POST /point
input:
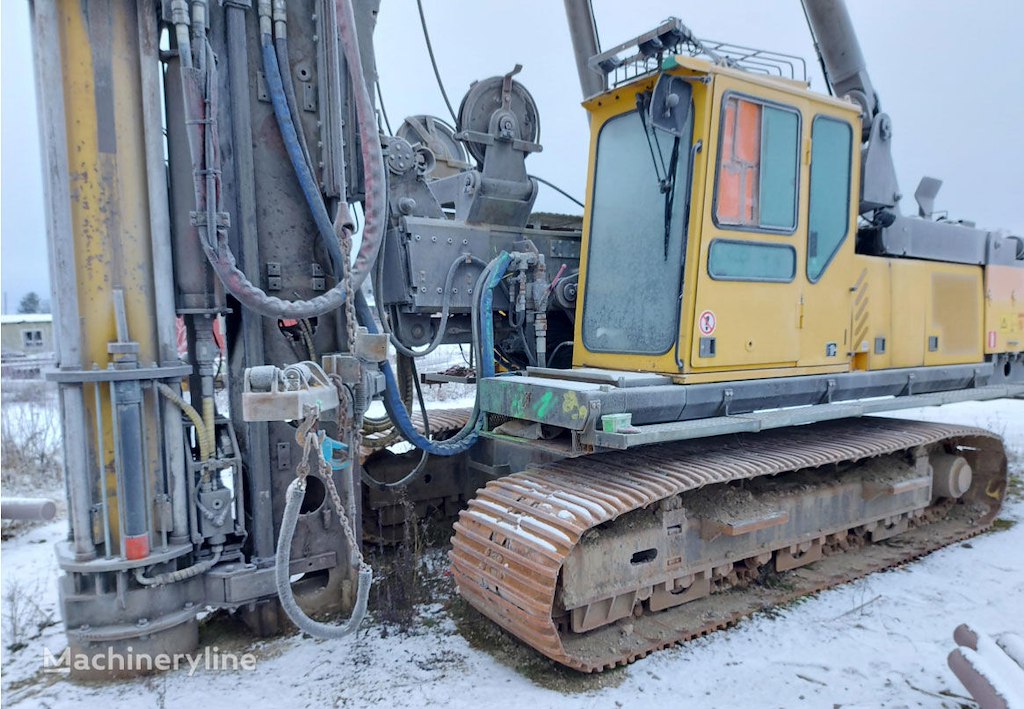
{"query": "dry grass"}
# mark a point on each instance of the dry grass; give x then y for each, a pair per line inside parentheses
(30, 445)
(24, 620)
(30, 438)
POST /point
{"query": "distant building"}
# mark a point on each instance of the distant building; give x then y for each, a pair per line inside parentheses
(26, 334)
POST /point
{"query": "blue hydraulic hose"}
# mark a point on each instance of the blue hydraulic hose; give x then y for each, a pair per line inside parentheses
(486, 316)
(392, 398)
(396, 409)
(310, 189)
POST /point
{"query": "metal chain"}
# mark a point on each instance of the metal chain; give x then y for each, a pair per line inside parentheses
(346, 415)
(350, 298)
(346, 423)
(326, 474)
(311, 439)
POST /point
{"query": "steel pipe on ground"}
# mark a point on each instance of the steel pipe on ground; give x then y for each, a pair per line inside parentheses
(27, 509)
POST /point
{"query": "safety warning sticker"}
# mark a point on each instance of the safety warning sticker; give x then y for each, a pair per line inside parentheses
(707, 322)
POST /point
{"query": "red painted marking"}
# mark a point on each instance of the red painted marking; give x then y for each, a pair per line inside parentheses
(136, 547)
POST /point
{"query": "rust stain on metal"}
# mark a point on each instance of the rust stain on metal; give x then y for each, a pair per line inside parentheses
(511, 542)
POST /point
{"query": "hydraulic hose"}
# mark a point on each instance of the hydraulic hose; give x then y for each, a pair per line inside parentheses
(281, 47)
(202, 431)
(446, 302)
(383, 424)
(422, 463)
(465, 438)
(282, 575)
(308, 184)
(201, 109)
(281, 91)
(417, 469)
(374, 209)
(500, 265)
(396, 409)
(182, 574)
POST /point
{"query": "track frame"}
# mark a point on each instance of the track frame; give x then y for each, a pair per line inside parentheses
(511, 543)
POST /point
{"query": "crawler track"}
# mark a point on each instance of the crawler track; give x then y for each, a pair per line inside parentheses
(443, 423)
(512, 543)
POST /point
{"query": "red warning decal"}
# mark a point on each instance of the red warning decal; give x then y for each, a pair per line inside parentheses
(991, 339)
(707, 322)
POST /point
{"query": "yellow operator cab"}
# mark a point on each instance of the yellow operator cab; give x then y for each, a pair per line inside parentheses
(728, 254)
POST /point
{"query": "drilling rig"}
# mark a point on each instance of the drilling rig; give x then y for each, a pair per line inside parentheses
(672, 396)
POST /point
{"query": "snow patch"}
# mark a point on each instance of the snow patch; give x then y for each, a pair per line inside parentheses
(879, 641)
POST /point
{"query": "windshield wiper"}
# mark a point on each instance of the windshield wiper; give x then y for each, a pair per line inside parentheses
(666, 175)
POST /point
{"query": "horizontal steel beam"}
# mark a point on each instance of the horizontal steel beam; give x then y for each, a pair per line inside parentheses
(765, 420)
(568, 401)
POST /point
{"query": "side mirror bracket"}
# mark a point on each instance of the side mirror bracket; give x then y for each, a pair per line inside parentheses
(669, 108)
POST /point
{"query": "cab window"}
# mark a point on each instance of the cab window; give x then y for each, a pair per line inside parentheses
(829, 211)
(634, 266)
(757, 166)
(751, 261)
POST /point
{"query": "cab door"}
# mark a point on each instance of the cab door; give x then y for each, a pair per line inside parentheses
(832, 283)
(747, 305)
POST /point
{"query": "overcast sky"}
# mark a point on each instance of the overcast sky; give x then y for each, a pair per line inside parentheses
(948, 72)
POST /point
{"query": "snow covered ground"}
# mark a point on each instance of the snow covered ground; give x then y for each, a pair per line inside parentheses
(880, 641)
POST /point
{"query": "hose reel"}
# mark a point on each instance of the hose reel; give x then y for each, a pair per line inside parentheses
(499, 109)
(438, 138)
